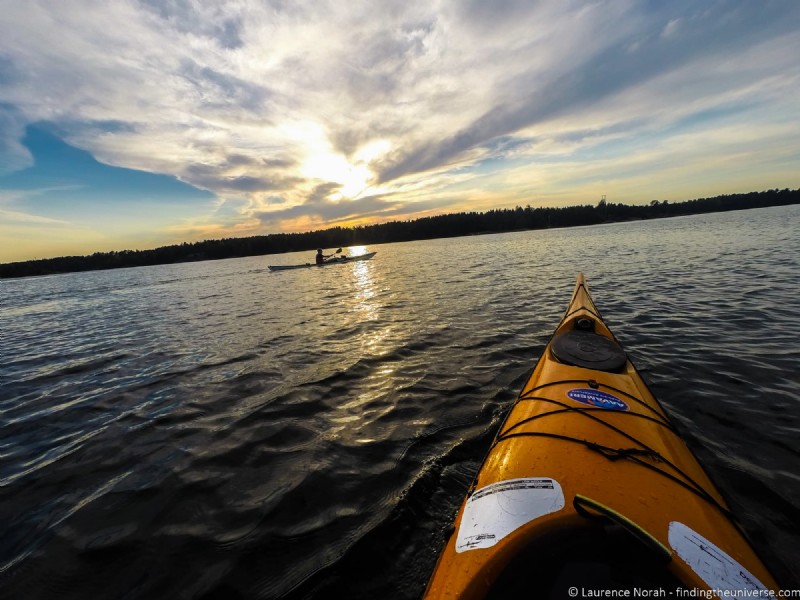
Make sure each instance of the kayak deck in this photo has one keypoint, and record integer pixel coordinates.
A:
(337, 261)
(588, 482)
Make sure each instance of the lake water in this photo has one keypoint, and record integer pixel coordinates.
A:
(215, 430)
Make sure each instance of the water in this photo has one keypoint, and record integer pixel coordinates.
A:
(215, 430)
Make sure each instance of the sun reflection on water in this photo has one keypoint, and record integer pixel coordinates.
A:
(356, 250)
(366, 307)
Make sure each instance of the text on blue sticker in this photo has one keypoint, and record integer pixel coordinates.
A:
(597, 398)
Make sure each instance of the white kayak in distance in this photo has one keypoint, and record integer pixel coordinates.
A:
(333, 261)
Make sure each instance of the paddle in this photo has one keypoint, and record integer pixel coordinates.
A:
(338, 251)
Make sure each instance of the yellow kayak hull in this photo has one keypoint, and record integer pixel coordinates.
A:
(588, 485)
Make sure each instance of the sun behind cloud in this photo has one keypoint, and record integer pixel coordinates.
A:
(354, 175)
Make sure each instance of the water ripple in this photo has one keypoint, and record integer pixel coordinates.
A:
(214, 430)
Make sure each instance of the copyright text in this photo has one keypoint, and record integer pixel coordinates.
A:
(582, 592)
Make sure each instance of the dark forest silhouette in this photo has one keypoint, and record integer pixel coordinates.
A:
(441, 226)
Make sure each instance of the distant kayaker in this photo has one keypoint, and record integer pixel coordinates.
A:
(321, 257)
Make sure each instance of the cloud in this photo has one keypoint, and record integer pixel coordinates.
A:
(222, 177)
(328, 109)
(319, 209)
(11, 217)
(671, 28)
(215, 89)
(532, 97)
(13, 154)
(222, 22)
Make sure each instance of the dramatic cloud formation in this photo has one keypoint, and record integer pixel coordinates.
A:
(261, 116)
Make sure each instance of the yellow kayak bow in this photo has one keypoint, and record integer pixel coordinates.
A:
(588, 487)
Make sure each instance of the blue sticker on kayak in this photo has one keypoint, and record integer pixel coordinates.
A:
(597, 398)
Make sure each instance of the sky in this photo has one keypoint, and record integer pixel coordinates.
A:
(133, 124)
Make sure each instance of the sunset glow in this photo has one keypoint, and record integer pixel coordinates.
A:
(127, 125)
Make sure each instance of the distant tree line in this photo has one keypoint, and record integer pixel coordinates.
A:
(441, 226)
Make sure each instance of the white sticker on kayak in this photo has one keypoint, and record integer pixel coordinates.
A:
(718, 570)
(494, 511)
(597, 398)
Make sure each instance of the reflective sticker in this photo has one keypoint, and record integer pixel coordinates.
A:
(718, 570)
(494, 511)
(597, 398)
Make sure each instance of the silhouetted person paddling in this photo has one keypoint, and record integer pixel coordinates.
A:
(322, 258)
